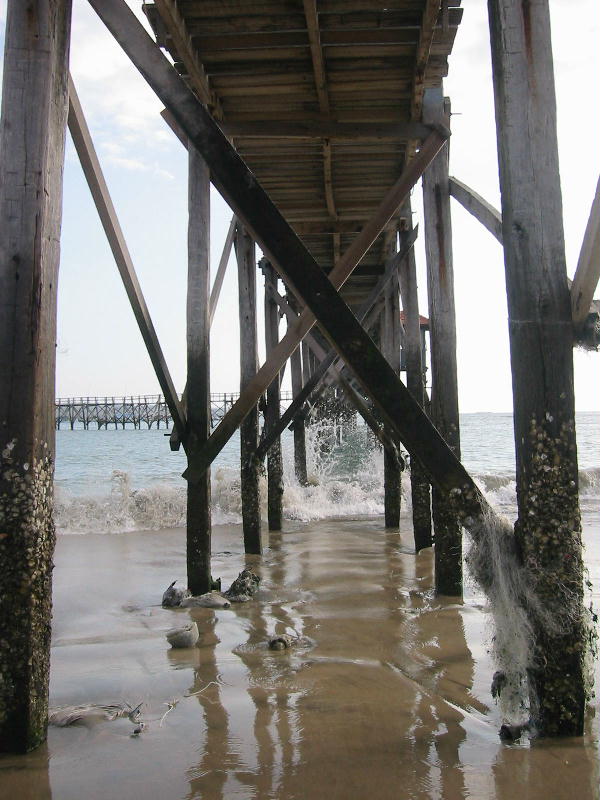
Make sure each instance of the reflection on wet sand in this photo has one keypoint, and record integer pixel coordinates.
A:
(385, 691)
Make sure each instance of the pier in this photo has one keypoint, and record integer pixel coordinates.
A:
(314, 121)
(138, 412)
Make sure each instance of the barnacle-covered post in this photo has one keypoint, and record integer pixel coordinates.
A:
(541, 339)
(32, 138)
(249, 467)
(442, 316)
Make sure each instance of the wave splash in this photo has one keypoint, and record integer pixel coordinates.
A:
(345, 480)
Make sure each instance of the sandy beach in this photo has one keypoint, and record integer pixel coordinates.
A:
(386, 693)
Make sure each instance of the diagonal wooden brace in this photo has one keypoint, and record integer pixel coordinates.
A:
(406, 242)
(108, 216)
(295, 264)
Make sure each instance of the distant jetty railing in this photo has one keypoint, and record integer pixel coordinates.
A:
(143, 410)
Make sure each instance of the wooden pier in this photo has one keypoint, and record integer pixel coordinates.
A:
(138, 412)
(314, 119)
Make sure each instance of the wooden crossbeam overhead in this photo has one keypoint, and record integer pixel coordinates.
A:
(326, 129)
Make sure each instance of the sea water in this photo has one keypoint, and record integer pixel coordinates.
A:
(113, 481)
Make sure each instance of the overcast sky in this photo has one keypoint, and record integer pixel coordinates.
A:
(99, 348)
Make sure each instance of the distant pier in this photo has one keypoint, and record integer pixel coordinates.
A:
(141, 411)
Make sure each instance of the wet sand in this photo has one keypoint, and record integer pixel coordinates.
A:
(386, 695)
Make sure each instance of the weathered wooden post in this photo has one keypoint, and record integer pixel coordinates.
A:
(548, 528)
(198, 371)
(298, 424)
(249, 466)
(390, 347)
(32, 137)
(273, 410)
(415, 383)
(442, 320)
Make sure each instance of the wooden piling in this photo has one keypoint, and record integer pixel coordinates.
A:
(444, 384)
(198, 526)
(273, 410)
(548, 528)
(390, 344)
(415, 383)
(249, 466)
(32, 137)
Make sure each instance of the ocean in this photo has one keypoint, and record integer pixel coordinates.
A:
(114, 481)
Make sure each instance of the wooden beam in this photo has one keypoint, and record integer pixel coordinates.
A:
(483, 211)
(442, 321)
(297, 267)
(92, 170)
(32, 139)
(316, 53)
(249, 465)
(587, 273)
(326, 129)
(182, 41)
(198, 519)
(390, 347)
(298, 427)
(415, 383)
(273, 409)
(222, 269)
(428, 24)
(541, 339)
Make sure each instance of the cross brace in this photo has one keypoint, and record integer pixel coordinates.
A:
(297, 267)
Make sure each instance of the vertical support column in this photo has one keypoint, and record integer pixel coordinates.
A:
(444, 391)
(306, 370)
(198, 371)
(415, 383)
(390, 341)
(273, 410)
(298, 424)
(548, 528)
(249, 467)
(32, 138)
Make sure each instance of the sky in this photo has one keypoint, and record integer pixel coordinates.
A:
(100, 351)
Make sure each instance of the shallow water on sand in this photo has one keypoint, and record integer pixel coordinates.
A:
(386, 694)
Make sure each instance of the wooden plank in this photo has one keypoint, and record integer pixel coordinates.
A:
(198, 519)
(32, 138)
(108, 217)
(297, 267)
(325, 129)
(483, 211)
(415, 382)
(249, 465)
(273, 409)
(587, 273)
(442, 320)
(541, 338)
